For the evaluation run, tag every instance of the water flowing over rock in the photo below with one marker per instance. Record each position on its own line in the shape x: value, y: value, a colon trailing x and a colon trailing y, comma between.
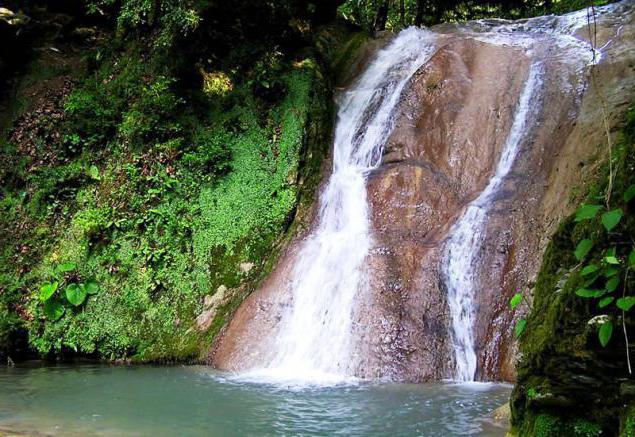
x: 454, y: 156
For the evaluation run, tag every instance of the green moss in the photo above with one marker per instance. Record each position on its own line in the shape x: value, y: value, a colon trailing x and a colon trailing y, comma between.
x: 627, y: 421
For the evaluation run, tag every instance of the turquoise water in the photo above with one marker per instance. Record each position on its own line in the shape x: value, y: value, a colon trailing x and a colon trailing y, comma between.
x: 194, y: 401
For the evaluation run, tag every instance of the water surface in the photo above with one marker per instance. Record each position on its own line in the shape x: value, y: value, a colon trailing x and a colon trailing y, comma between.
x: 192, y: 401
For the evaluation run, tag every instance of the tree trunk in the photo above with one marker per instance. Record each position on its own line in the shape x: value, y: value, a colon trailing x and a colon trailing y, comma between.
x: 402, y: 12
x: 382, y: 16
x: 421, y: 7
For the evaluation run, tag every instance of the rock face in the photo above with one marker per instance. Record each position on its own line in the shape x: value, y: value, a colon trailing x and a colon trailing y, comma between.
x: 450, y: 128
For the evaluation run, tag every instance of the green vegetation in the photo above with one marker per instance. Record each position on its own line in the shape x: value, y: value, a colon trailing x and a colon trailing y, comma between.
x: 386, y: 14
x: 146, y: 183
x: 574, y: 347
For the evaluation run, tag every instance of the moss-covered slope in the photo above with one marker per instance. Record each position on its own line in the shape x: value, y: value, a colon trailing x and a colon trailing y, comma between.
x: 134, y: 185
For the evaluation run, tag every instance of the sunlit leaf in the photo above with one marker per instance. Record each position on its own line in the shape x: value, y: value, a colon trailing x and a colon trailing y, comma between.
x: 47, y: 290
x: 515, y: 300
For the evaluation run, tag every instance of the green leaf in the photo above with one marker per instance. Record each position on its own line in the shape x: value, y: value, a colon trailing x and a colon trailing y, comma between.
x: 605, y: 332
x: 520, y: 327
x: 591, y: 268
x: 53, y: 310
x: 93, y: 172
x: 587, y: 294
x: 515, y: 300
x: 66, y: 267
x: 587, y: 212
x: 92, y: 287
x: 611, y: 284
x: 611, y: 219
x: 611, y: 260
x: 583, y: 248
x: 47, y: 290
x: 606, y: 301
x: 625, y: 303
x: 631, y: 259
x: 629, y: 194
x: 75, y: 294
x: 610, y: 271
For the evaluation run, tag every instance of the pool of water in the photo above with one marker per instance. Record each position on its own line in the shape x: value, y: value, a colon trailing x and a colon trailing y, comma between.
x: 191, y: 401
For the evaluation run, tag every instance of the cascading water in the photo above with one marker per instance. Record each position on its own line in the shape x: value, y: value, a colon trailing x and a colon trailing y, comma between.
x: 466, y: 236
x: 460, y: 262
x: 314, y: 341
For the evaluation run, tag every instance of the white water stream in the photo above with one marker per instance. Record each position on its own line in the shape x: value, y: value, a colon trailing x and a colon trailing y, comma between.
x: 462, y: 251
x: 466, y: 236
x: 315, y: 337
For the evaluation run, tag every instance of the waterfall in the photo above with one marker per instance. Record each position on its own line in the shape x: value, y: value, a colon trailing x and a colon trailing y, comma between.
x: 462, y: 248
x: 314, y: 341
x: 461, y: 254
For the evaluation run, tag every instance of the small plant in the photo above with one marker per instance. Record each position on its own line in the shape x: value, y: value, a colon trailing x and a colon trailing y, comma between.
x: 604, y: 278
x: 521, y: 323
x: 64, y: 290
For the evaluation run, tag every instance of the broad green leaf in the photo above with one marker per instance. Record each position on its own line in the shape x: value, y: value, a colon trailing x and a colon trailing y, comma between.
x: 605, y: 301
x: 587, y: 294
x: 611, y: 260
x: 611, y: 251
x: 610, y: 271
x: 75, y: 294
x: 611, y: 284
x: 66, y: 267
x: 92, y: 287
x: 93, y: 172
x: 629, y: 194
x: 47, y: 290
x: 591, y: 268
x: 625, y: 303
x: 611, y: 219
x: 605, y: 332
x: 583, y: 248
x: 520, y: 327
x: 53, y: 310
x: 587, y: 212
x: 515, y: 300
x: 631, y: 259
